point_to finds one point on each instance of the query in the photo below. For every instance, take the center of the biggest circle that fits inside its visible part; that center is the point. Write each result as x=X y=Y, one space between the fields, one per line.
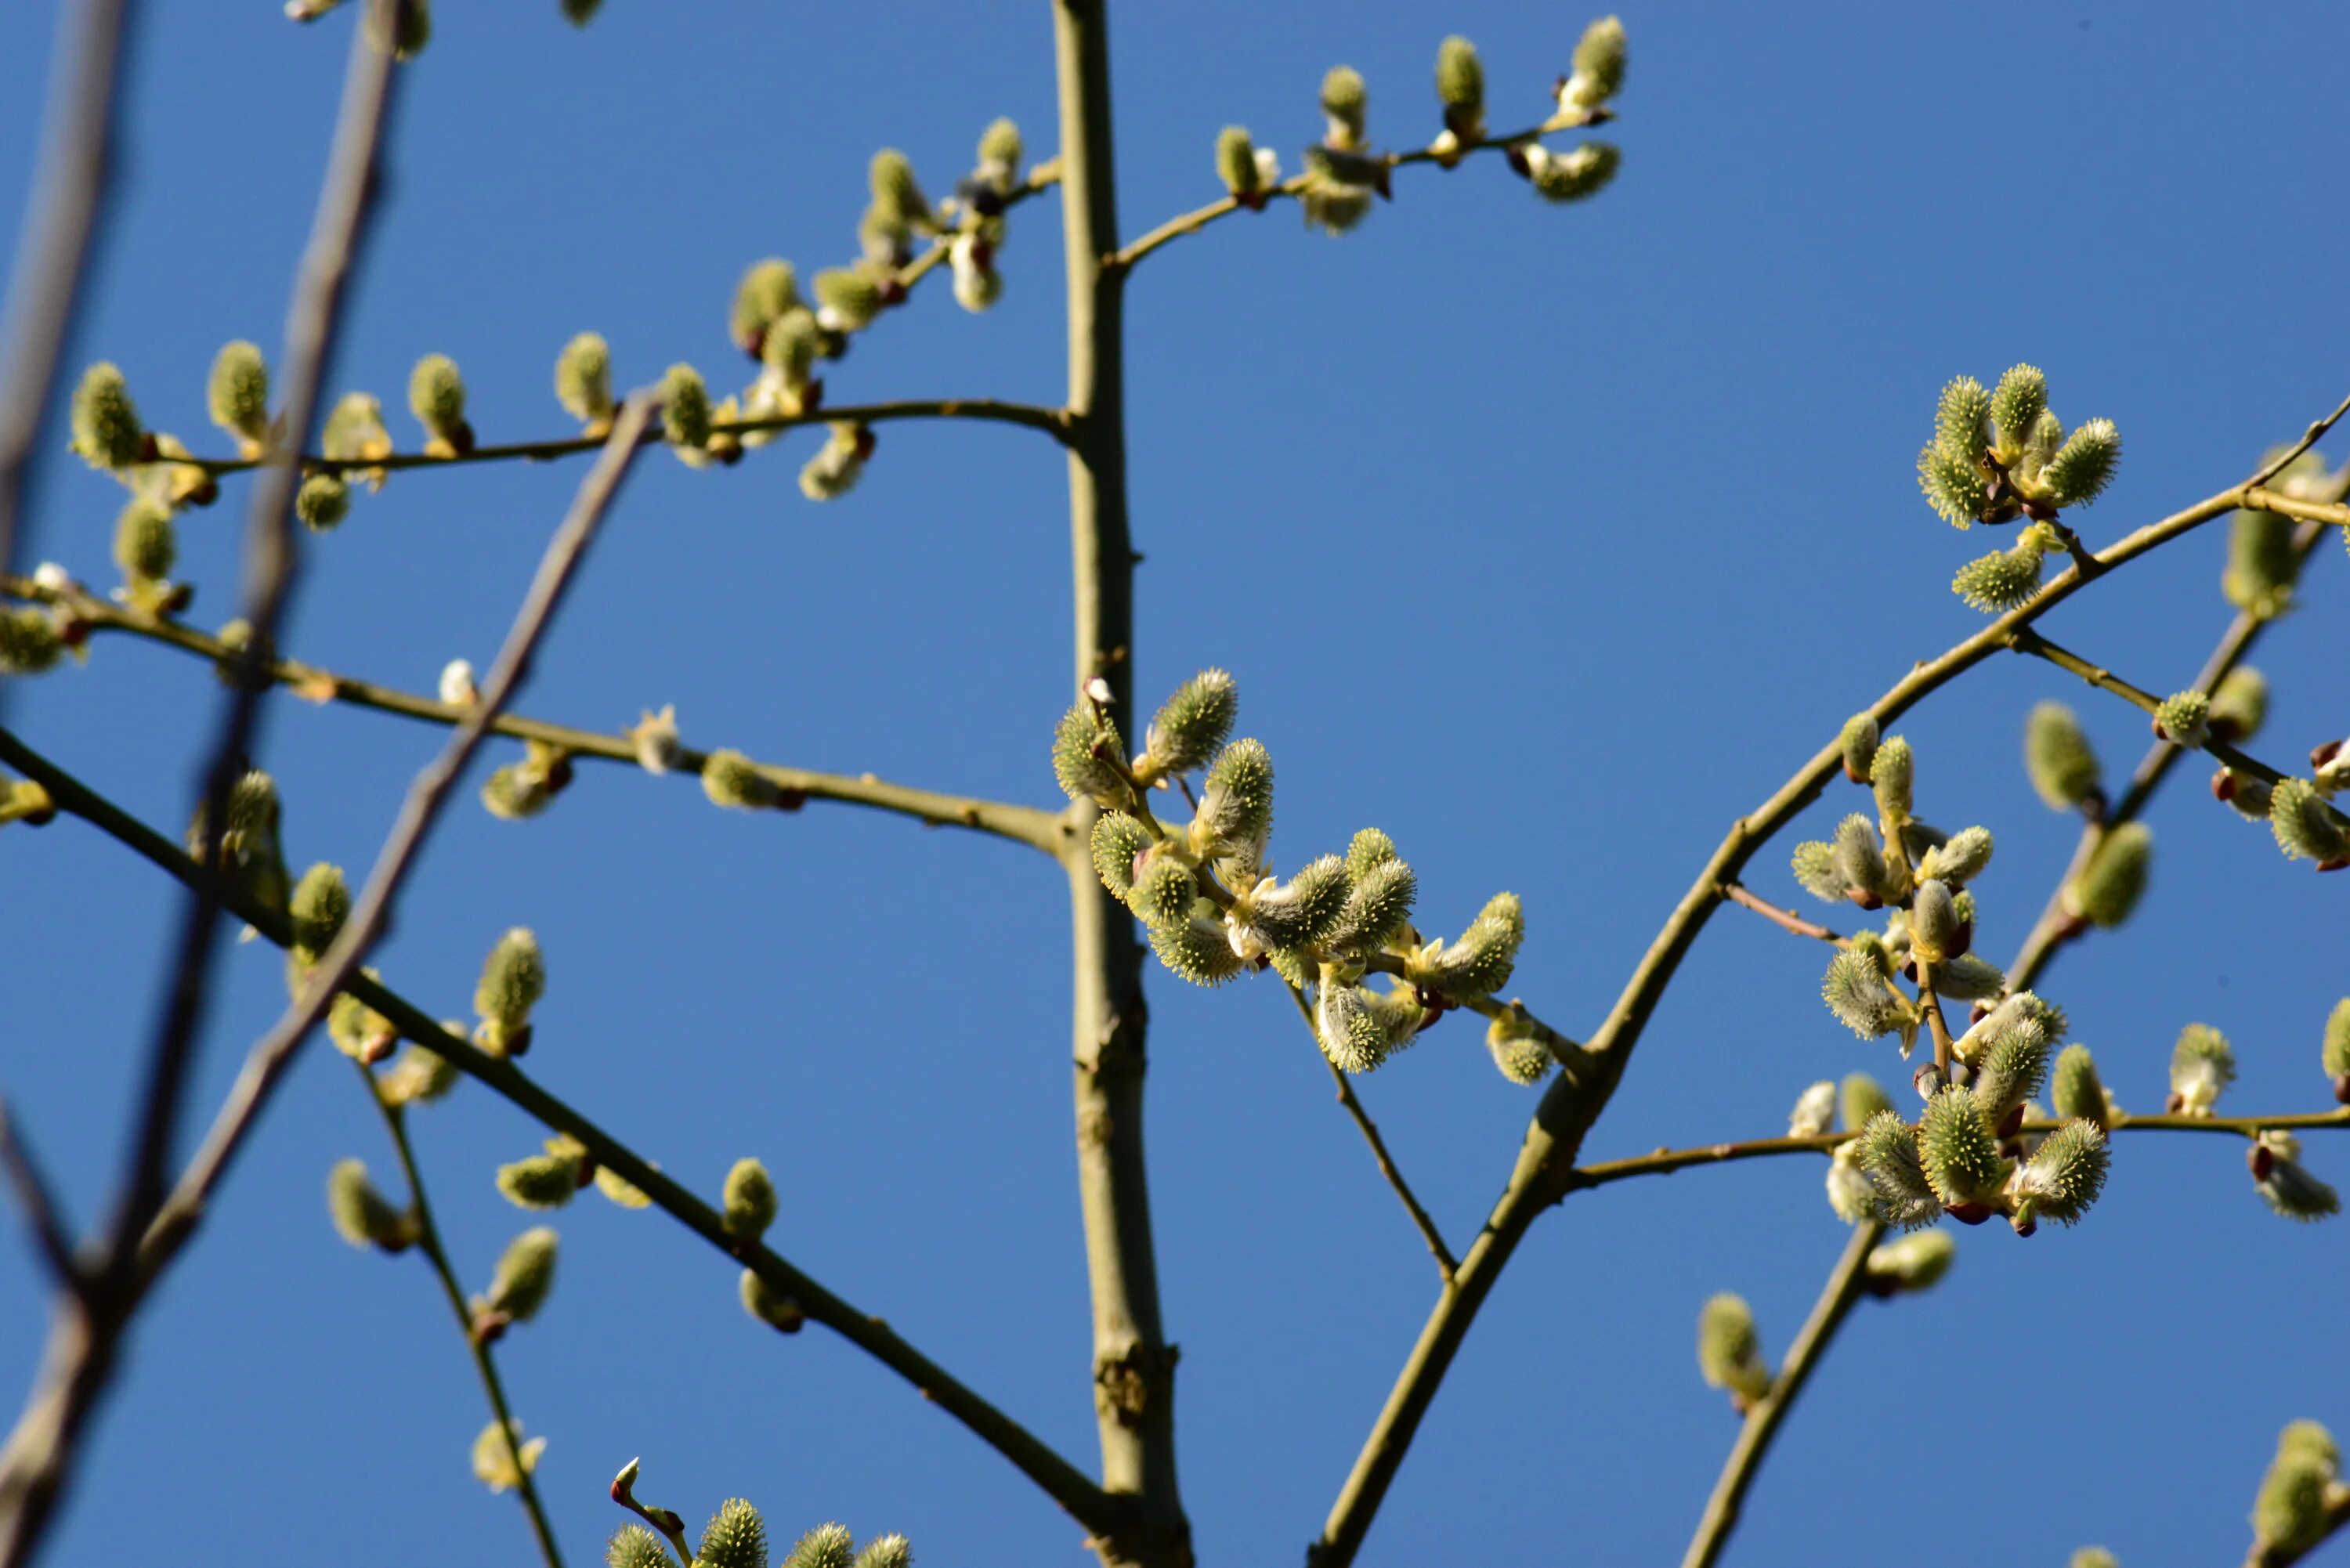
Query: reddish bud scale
x=1970 y=1213
x=2261 y=1161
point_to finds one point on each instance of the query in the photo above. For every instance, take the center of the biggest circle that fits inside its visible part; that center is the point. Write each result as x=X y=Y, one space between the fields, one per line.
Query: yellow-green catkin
x=436 y=396
x=749 y=1202
x=583 y=383
x=106 y=428
x=237 y=396
x=514 y=979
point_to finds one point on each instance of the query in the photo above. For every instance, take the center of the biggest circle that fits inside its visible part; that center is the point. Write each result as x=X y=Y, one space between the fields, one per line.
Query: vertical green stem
x=428 y=1241
x=1134 y=1367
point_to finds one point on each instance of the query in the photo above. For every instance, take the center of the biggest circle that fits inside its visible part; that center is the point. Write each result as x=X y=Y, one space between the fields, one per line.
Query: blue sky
x=1548 y=540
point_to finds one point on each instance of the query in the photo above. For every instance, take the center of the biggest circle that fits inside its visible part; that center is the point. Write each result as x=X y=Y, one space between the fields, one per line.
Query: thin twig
x=1445 y=1262
x=428 y=1241
x=1039 y=829
x=1836 y=1300
x=70 y=197
x=1785 y=919
x=2104 y=680
x=37 y=1460
x=1061 y=1481
x=40 y=1206
x=1053 y=421
x=1199 y=218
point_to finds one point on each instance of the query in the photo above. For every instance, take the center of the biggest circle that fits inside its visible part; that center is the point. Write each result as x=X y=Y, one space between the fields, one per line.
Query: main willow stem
x=1134 y=1367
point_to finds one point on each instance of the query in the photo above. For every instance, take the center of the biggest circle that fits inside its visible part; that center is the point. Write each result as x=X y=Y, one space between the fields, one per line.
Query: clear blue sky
x=1548 y=540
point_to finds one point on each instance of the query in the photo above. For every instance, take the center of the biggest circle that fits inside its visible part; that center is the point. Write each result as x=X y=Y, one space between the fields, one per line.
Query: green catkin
x=362 y=1216
x=1859 y=1098
x=1236 y=163
x=749 y=1203
x=1085 y=744
x=1729 y=1352
x=146 y=544
x=634 y=1546
x=2075 y=1089
x=731 y=780
x=1913 y=1263
x=685 y=408
x=1959 y=1155
x=1191 y=724
x=2262 y=564
x=2239 y=705
x=2202 y=1065
x=525 y=1274
x=886 y=1552
x=583 y=378
x=237 y=395
x=769 y=289
x=1460 y=87
x=1346 y=102
x=2184 y=718
x=826 y=1546
x=436 y=396
x=322 y=501
x=735 y=1537
x=2063 y=1177
x=2016 y=405
x=514 y=979
x=2110 y=885
x=2057 y=757
x=1117 y=839
x=1600 y=58
x=106 y=428
x=1889 y=1155
x=2305 y=827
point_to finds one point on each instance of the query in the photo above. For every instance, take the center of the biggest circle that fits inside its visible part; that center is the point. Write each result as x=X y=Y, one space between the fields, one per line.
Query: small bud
x=1891 y=776
x=29 y=641
x=632 y=1545
x=1815 y=1111
x=545 y=1180
x=362 y=1216
x=2084 y=465
x=2110 y=885
x=730 y=779
x=1860 y=1098
x=514 y=979
x=436 y=396
x=1460 y=86
x=839 y=464
x=1600 y=56
x=770 y=1306
x=106 y=428
x=2305 y=827
x=322 y=501
x=237 y=396
x=2239 y=705
x=2079 y=1093
x=685 y=409
x=1912 y=1264
x=2061 y=1178
x=2262 y=564
x=1517 y=1049
x=2202 y=1065
x=2183 y=718
x=769 y=289
x=826 y=1546
x=749 y=1202
x=1888 y=1151
x=583 y=382
x=1236 y=163
x=847 y=300
x=655 y=737
x=1857 y=742
x=516 y=792
x=1571 y=176
x=1957 y=1147
x=525 y=1275
x=1191 y=724
x=1729 y=1352
x=1197 y=950
x=1346 y=102
x=501 y=1457
x=2016 y=405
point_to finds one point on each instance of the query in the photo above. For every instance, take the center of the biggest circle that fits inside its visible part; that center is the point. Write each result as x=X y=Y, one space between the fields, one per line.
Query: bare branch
x=41 y=1211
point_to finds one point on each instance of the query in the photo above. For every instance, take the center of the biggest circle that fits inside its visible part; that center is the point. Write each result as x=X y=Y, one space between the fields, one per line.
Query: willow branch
x=1842 y=1292
x=41 y=1211
x=37 y=1460
x=1445 y=1262
x=2104 y=680
x=1582 y=1090
x=1025 y=825
x=1053 y=421
x=1199 y=218
x=428 y=1241
x=1785 y=919
x=71 y=195
x=1665 y=1162
x=1058 y=1479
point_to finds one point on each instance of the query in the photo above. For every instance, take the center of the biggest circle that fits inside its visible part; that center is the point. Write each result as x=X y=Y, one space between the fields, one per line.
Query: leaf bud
x=525 y=1275
x=1460 y=87
x=106 y=428
x=1912 y=1264
x=1729 y=1352
x=362 y=1216
x=237 y=396
x=749 y=1203
x=2305 y=827
x=730 y=779
x=1600 y=56
x=769 y=289
x=2109 y=887
x=514 y=979
x=1346 y=102
x=583 y=382
x=436 y=396
x=770 y=1306
x=2183 y=718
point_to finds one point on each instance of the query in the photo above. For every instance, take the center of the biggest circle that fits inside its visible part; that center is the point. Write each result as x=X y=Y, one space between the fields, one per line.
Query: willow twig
x=2026 y=640
x=1199 y=218
x=1445 y=1262
x=1837 y=1298
x=1058 y=1479
x=40 y=1206
x=428 y=1241
x=1785 y=919
x=1039 y=829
